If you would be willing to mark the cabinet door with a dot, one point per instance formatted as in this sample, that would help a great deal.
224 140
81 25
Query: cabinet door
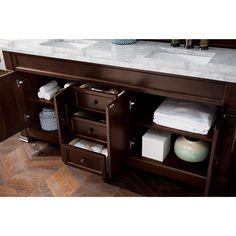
12 118
65 108
117 132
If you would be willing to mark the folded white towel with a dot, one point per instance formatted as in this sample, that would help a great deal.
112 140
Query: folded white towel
88 145
49 86
97 147
189 116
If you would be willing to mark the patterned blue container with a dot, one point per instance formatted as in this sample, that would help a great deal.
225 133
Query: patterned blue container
48 120
124 41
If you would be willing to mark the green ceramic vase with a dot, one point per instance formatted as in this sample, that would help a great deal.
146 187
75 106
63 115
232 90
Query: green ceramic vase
191 150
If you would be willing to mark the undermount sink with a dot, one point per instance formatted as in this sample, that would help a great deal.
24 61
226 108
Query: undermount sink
69 44
197 57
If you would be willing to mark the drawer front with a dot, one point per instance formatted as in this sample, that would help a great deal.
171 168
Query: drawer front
89 128
84 159
93 101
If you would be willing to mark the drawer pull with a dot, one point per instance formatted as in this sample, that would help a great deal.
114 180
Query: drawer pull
90 131
83 160
95 102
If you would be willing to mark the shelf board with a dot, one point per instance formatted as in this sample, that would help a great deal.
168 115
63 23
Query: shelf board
41 101
173 167
150 124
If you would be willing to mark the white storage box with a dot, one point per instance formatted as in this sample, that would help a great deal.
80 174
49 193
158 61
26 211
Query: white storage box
156 144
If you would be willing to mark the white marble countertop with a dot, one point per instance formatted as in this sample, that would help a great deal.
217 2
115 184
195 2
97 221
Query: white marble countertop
214 64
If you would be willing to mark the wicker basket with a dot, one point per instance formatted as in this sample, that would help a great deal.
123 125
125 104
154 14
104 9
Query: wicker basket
48 120
123 41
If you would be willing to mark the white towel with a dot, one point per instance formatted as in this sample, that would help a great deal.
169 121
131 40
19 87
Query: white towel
49 86
48 95
188 116
40 94
88 145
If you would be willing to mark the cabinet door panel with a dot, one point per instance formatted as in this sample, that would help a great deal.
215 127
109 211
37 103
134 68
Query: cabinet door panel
11 104
65 108
117 131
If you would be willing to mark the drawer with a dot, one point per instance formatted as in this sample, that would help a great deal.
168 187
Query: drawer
84 159
89 128
92 100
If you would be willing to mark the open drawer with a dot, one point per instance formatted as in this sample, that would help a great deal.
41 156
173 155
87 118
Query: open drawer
94 97
109 126
84 159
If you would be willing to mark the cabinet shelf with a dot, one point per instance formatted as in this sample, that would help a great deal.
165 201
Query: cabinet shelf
173 167
149 124
40 101
35 131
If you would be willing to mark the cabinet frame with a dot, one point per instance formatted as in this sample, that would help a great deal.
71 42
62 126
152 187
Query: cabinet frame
190 88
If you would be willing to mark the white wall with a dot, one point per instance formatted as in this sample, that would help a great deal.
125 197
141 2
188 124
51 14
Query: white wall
2 63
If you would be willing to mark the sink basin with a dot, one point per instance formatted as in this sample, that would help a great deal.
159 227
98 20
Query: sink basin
69 44
197 57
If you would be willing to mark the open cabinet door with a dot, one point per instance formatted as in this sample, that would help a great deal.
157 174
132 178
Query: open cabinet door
12 118
64 105
117 132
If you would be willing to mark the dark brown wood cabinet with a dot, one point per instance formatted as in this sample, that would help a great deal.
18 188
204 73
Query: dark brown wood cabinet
116 121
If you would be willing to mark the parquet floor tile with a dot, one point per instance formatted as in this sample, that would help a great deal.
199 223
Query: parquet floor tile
36 169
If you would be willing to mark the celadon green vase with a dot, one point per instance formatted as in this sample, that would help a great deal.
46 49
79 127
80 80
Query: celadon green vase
188 149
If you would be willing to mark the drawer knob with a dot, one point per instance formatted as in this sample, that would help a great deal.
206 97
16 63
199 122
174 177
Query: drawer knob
95 102
83 160
90 131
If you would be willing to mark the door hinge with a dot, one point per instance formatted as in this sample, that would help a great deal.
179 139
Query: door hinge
131 144
20 81
131 104
112 105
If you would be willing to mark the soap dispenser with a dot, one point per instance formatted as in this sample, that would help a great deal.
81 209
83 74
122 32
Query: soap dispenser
204 44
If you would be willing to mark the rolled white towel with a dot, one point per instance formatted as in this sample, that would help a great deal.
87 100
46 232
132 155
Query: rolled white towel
49 94
41 94
49 86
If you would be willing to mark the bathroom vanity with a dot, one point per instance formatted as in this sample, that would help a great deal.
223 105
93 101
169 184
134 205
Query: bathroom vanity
144 74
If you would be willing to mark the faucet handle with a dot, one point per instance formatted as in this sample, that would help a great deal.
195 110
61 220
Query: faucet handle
204 44
189 43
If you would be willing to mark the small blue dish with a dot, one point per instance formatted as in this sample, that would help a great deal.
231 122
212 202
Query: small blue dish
124 41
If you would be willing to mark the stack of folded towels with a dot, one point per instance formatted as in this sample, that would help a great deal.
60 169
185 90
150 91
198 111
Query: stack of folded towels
91 146
48 90
183 115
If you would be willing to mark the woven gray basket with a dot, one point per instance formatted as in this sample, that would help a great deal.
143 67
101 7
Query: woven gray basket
48 120
123 41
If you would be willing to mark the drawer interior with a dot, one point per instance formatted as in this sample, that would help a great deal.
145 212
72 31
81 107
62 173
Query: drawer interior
83 158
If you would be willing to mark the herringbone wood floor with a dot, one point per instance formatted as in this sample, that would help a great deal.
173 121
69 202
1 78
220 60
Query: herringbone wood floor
36 169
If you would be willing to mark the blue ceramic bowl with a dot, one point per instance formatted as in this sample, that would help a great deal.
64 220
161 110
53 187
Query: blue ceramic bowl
124 41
